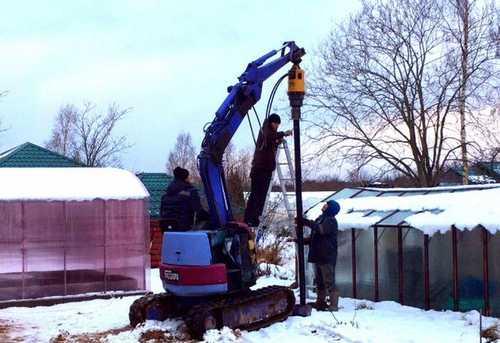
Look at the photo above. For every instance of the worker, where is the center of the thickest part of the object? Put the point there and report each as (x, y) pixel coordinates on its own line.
(263, 166)
(181, 202)
(323, 253)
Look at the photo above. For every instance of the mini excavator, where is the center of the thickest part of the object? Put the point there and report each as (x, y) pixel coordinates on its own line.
(207, 274)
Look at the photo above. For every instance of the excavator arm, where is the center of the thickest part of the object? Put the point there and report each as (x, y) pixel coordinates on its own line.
(242, 96)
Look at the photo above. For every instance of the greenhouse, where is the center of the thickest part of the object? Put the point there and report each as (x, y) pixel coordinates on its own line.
(67, 231)
(434, 248)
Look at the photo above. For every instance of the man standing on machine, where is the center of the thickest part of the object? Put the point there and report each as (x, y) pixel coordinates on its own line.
(181, 202)
(263, 166)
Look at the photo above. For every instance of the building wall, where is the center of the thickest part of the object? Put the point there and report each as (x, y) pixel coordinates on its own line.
(156, 243)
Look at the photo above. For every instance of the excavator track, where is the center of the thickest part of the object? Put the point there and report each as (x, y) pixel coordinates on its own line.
(153, 306)
(250, 310)
(246, 310)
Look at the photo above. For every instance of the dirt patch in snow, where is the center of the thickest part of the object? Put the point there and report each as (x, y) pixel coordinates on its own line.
(163, 336)
(491, 334)
(66, 337)
(7, 330)
(149, 336)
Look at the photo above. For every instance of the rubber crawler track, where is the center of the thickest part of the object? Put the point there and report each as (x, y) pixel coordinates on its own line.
(195, 318)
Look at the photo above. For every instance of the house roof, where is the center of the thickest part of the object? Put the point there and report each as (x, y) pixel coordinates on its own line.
(491, 167)
(476, 175)
(29, 155)
(155, 183)
(430, 210)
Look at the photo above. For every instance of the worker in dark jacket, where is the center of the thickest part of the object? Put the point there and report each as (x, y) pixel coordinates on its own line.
(323, 253)
(181, 202)
(263, 166)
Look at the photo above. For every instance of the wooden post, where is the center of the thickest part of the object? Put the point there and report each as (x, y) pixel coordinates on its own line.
(486, 274)
(400, 265)
(375, 261)
(353, 261)
(427, 298)
(104, 227)
(66, 224)
(23, 249)
(456, 295)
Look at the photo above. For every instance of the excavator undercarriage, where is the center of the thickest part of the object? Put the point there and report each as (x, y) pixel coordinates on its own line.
(246, 310)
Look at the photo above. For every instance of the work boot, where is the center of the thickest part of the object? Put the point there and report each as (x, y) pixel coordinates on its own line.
(320, 303)
(334, 301)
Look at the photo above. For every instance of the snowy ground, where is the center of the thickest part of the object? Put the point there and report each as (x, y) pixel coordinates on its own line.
(356, 321)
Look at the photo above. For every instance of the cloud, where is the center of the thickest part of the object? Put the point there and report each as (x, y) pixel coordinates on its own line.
(19, 58)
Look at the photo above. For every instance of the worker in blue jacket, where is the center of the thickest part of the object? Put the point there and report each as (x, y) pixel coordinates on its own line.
(323, 253)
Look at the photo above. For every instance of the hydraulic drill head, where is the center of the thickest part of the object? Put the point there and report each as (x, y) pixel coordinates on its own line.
(296, 89)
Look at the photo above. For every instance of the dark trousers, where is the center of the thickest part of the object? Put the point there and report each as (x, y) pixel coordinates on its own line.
(324, 277)
(260, 181)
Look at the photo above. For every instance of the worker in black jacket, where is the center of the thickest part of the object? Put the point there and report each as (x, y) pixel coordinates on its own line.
(263, 166)
(181, 202)
(323, 253)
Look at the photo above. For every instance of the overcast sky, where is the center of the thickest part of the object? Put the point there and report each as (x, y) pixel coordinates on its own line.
(171, 61)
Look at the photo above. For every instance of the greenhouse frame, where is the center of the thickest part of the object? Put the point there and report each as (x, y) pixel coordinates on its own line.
(384, 257)
(72, 231)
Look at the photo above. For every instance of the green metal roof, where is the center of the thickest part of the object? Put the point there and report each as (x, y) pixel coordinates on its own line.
(156, 184)
(481, 173)
(492, 167)
(29, 155)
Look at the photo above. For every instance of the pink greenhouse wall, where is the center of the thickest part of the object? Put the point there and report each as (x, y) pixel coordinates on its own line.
(61, 248)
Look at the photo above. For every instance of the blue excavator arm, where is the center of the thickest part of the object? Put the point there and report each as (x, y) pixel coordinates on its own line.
(242, 96)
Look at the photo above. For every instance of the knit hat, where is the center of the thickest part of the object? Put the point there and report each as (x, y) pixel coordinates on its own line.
(274, 118)
(333, 208)
(181, 173)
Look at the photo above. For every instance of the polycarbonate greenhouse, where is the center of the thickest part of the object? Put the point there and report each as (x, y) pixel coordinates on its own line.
(67, 231)
(434, 248)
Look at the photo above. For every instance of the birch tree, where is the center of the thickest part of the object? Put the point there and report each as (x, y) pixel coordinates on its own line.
(472, 32)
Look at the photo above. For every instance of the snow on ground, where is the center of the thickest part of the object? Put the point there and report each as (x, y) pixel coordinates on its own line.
(385, 322)
(356, 321)
(45, 322)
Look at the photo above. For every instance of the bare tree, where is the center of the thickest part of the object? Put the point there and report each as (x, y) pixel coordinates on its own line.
(2, 128)
(470, 29)
(184, 155)
(87, 136)
(489, 131)
(386, 89)
(237, 164)
(63, 139)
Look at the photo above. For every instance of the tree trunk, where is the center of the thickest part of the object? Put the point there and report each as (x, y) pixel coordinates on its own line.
(463, 12)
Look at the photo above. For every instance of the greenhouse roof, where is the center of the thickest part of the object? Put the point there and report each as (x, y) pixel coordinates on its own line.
(428, 209)
(69, 184)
